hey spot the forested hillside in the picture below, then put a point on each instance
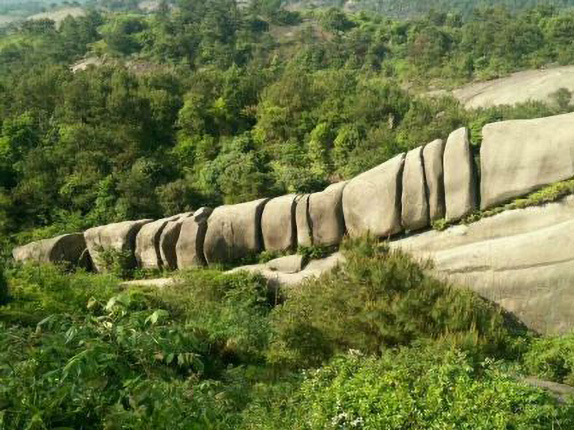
(210, 103)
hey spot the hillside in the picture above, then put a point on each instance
(411, 8)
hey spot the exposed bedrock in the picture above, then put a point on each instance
(372, 200)
(278, 224)
(168, 241)
(234, 232)
(459, 176)
(68, 248)
(518, 157)
(190, 241)
(326, 220)
(120, 236)
(433, 155)
(148, 252)
(303, 222)
(521, 259)
(415, 208)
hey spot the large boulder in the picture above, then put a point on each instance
(68, 248)
(119, 237)
(189, 247)
(234, 232)
(415, 207)
(433, 154)
(372, 200)
(147, 252)
(326, 215)
(518, 157)
(303, 222)
(278, 224)
(521, 259)
(459, 176)
(168, 241)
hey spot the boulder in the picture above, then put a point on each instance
(168, 242)
(278, 224)
(517, 157)
(147, 252)
(326, 215)
(234, 232)
(415, 208)
(68, 248)
(119, 236)
(190, 241)
(459, 176)
(372, 200)
(433, 155)
(303, 222)
(287, 264)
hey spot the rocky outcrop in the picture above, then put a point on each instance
(303, 222)
(415, 208)
(190, 241)
(147, 252)
(521, 259)
(68, 248)
(120, 237)
(168, 241)
(372, 200)
(518, 157)
(278, 224)
(433, 155)
(459, 176)
(326, 215)
(234, 232)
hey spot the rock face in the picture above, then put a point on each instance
(190, 242)
(278, 224)
(459, 176)
(415, 208)
(68, 248)
(148, 254)
(433, 155)
(303, 222)
(168, 241)
(518, 157)
(120, 236)
(233, 232)
(521, 259)
(372, 200)
(326, 215)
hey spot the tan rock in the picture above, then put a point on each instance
(415, 208)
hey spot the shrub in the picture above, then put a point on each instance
(552, 358)
(116, 262)
(380, 299)
(422, 388)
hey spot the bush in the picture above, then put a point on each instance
(422, 388)
(552, 359)
(381, 299)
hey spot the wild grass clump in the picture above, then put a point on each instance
(382, 299)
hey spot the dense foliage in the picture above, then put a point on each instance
(212, 103)
(79, 351)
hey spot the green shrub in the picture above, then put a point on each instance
(422, 388)
(381, 299)
(552, 359)
(116, 262)
(4, 291)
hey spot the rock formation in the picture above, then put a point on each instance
(68, 248)
(433, 154)
(326, 215)
(147, 252)
(189, 247)
(303, 222)
(415, 208)
(278, 224)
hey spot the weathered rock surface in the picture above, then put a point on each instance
(288, 264)
(518, 157)
(168, 241)
(119, 236)
(233, 232)
(68, 248)
(148, 254)
(459, 176)
(277, 278)
(326, 215)
(372, 200)
(303, 222)
(521, 259)
(278, 224)
(190, 241)
(415, 208)
(433, 154)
